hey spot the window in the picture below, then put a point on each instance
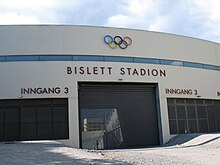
(22, 58)
(147, 60)
(194, 65)
(171, 62)
(2, 58)
(55, 58)
(106, 58)
(88, 58)
(118, 59)
(211, 67)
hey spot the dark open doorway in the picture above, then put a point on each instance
(116, 115)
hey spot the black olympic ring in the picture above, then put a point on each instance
(123, 43)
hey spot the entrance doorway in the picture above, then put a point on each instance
(117, 115)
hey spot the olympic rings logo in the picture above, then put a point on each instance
(122, 43)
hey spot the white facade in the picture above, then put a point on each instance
(43, 40)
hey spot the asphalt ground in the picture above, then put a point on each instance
(193, 149)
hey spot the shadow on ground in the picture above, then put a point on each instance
(47, 153)
(189, 139)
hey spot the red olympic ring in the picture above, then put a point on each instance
(123, 43)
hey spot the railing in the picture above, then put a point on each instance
(118, 141)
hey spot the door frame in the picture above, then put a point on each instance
(157, 100)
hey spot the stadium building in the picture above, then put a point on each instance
(103, 88)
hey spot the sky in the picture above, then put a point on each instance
(194, 18)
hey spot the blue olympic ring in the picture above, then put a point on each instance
(123, 43)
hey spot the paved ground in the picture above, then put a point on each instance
(48, 152)
(195, 149)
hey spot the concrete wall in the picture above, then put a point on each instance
(43, 39)
(28, 40)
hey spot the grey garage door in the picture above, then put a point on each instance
(193, 116)
(118, 115)
(33, 119)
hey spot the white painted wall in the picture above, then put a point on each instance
(81, 40)
(17, 75)
(84, 40)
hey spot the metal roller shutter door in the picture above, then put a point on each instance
(136, 108)
(33, 119)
